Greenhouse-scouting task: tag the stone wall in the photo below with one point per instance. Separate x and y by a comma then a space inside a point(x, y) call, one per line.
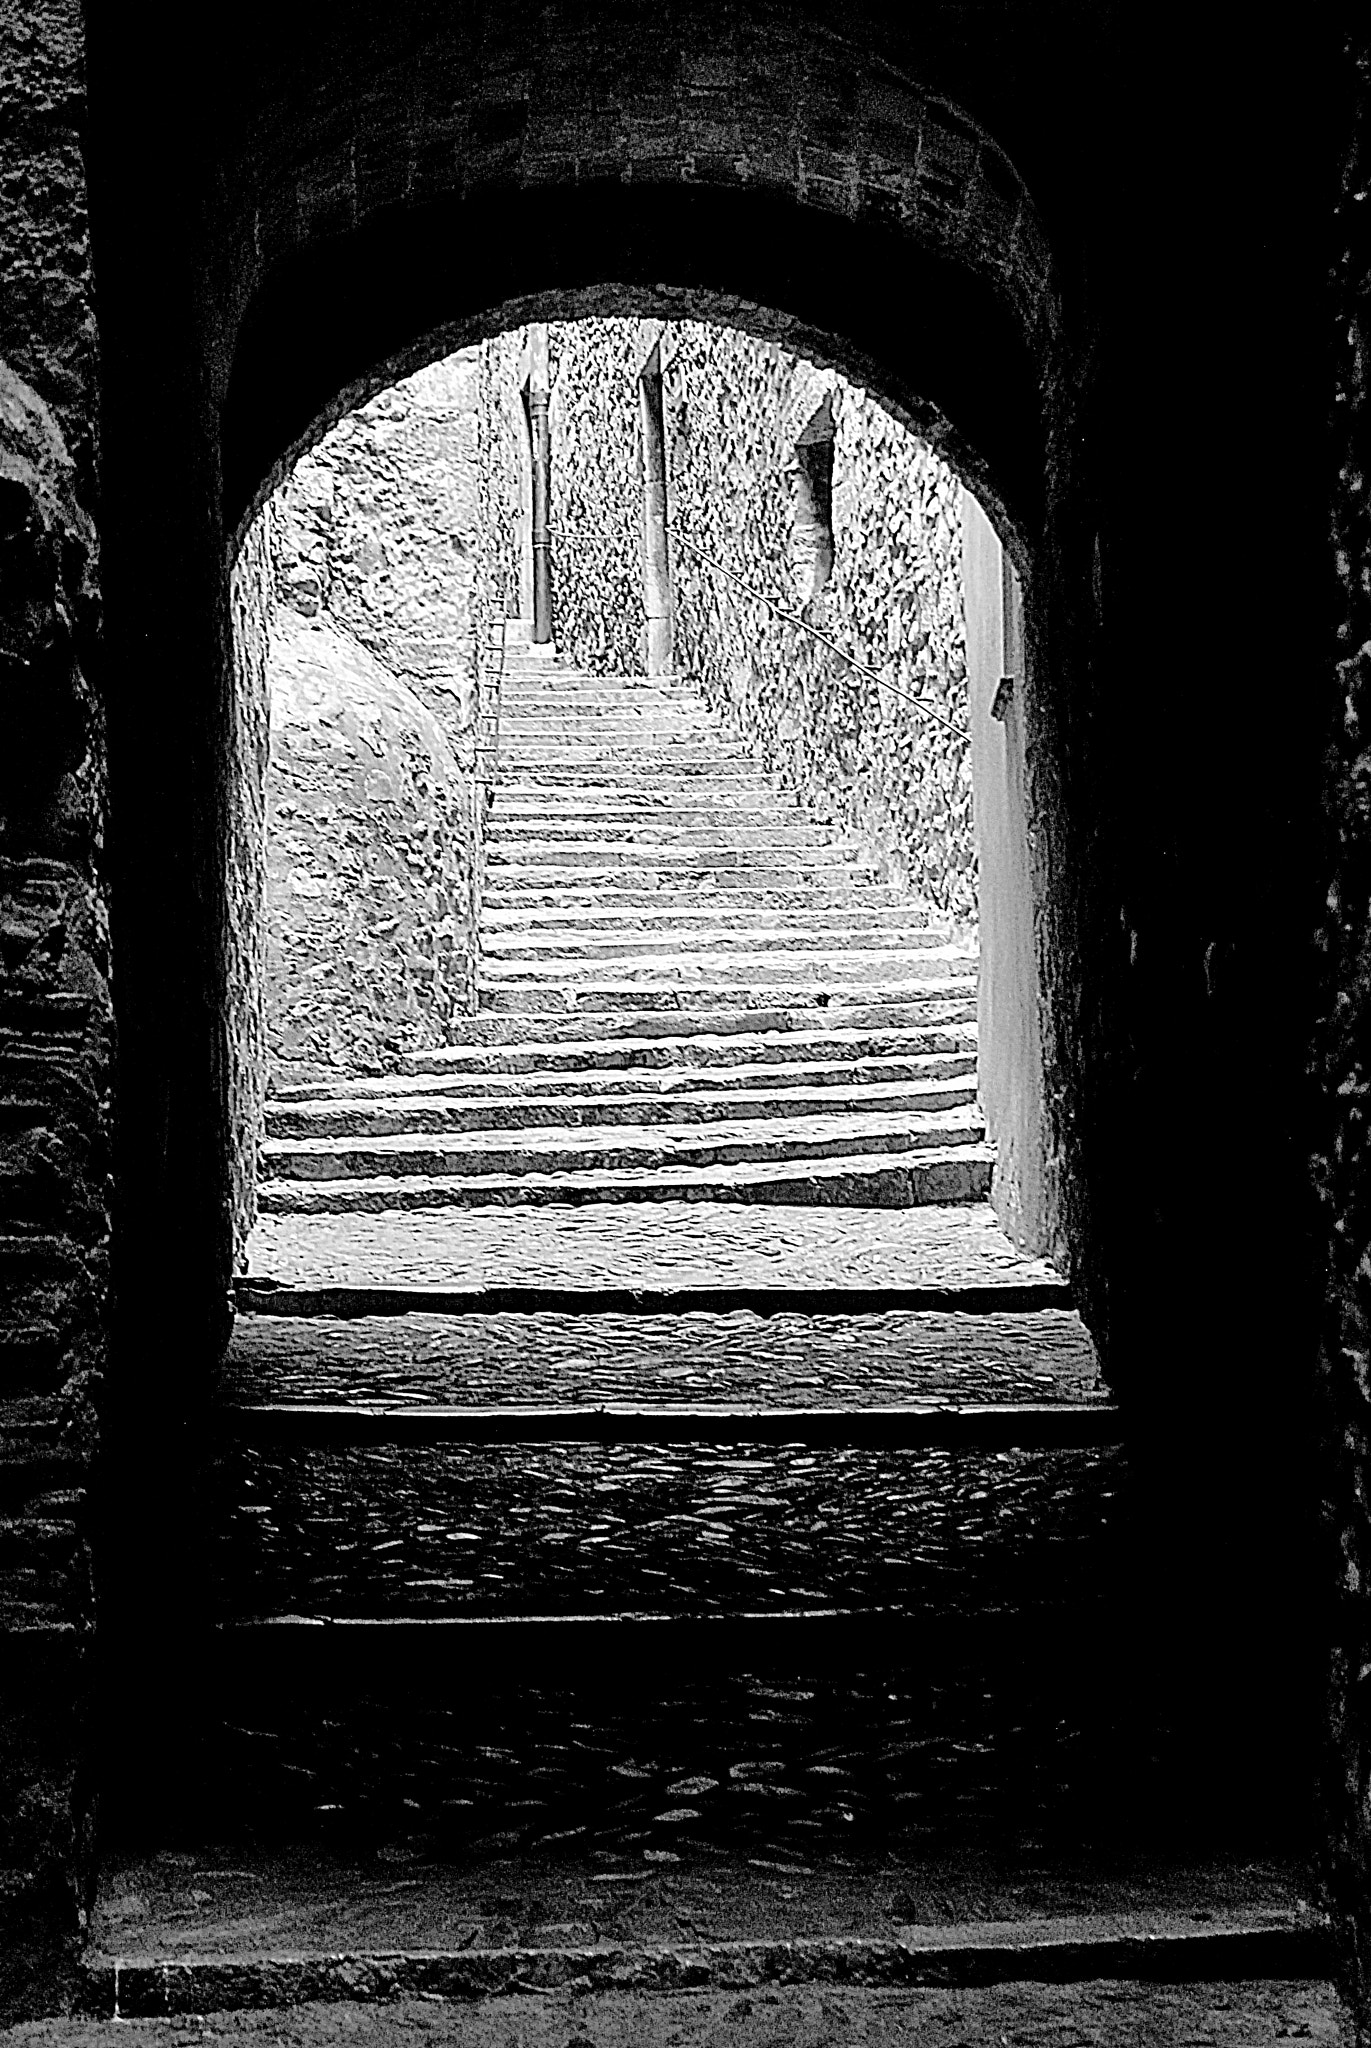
point(378, 526)
point(250, 598)
point(597, 494)
point(1343, 1160)
point(56, 1038)
point(897, 778)
point(367, 860)
point(55, 1060)
point(376, 555)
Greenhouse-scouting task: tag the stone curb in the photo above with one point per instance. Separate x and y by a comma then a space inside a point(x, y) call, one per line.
point(134, 1988)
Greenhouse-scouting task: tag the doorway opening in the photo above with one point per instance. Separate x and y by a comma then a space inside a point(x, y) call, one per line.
point(639, 705)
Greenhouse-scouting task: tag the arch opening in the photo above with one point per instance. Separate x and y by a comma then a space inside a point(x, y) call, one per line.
point(672, 555)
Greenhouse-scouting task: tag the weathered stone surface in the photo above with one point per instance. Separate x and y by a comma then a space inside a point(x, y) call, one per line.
point(377, 528)
point(736, 408)
point(368, 878)
point(579, 1529)
point(274, 1902)
point(662, 1246)
point(780, 1360)
point(55, 1062)
point(1113, 2015)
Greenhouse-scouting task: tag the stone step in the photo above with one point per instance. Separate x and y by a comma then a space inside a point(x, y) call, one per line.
point(539, 832)
point(624, 1079)
point(749, 1053)
point(735, 889)
point(736, 1362)
point(663, 794)
point(359, 1117)
point(651, 1258)
point(570, 762)
point(778, 1941)
point(725, 1142)
point(951, 1003)
point(565, 808)
point(743, 941)
point(745, 969)
point(543, 923)
point(897, 999)
point(787, 855)
point(610, 725)
point(959, 1173)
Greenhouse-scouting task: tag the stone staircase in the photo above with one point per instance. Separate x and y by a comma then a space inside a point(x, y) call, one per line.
point(687, 990)
point(664, 1538)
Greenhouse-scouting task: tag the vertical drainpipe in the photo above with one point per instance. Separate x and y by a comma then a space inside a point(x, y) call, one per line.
point(656, 562)
point(542, 484)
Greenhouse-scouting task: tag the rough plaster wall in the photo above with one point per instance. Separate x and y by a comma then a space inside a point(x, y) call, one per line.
point(367, 859)
point(597, 494)
point(55, 1012)
point(250, 597)
point(55, 1056)
point(899, 781)
point(1343, 1060)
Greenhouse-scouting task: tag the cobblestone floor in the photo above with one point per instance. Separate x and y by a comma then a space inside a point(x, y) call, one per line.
point(666, 1244)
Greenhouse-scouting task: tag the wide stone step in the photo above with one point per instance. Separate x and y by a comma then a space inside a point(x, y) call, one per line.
point(567, 807)
point(609, 726)
point(898, 998)
point(1226, 1954)
point(699, 932)
point(664, 795)
point(796, 947)
point(731, 1363)
point(727, 1142)
point(539, 833)
point(733, 889)
point(951, 1003)
point(544, 858)
point(569, 761)
point(651, 1258)
point(363, 1118)
point(664, 1083)
point(547, 923)
point(873, 1180)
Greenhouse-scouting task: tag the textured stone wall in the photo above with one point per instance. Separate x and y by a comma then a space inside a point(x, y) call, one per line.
point(597, 494)
point(735, 410)
point(899, 780)
point(55, 1061)
point(1343, 1056)
point(371, 577)
point(56, 1038)
point(378, 526)
point(250, 600)
point(367, 860)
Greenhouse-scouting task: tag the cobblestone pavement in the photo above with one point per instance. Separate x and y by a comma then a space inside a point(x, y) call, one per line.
point(780, 1360)
point(669, 1244)
point(1092, 2015)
